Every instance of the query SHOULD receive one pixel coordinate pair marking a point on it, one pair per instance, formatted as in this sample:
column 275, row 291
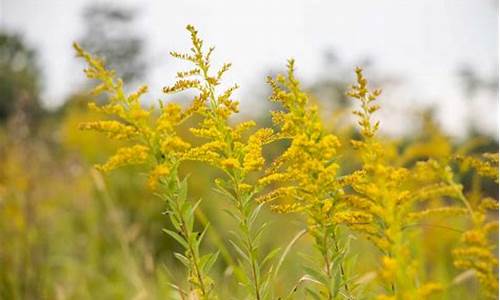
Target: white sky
column 424, row 42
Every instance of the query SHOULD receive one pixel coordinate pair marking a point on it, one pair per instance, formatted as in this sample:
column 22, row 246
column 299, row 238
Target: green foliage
column 19, row 79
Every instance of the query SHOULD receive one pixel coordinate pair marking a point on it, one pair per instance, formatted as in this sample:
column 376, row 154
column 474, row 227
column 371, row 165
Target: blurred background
column 66, row 232
column 440, row 54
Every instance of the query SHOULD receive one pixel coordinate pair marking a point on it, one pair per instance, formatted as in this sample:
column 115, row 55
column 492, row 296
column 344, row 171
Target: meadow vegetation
column 189, row 201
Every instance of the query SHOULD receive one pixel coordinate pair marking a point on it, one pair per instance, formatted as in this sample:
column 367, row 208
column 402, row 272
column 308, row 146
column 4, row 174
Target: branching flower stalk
column 156, row 145
column 305, row 180
column 380, row 192
column 476, row 250
column 227, row 150
column 385, row 197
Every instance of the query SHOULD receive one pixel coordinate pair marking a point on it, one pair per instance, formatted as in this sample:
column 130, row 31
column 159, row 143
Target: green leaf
column 175, row 221
column 254, row 214
column 287, row 250
column 313, row 294
column 183, row 188
column 184, row 260
column 200, row 237
column 177, row 237
column 260, row 231
column 270, row 256
column 232, row 215
column 208, row 263
column 240, row 252
column 317, row 275
column 335, row 284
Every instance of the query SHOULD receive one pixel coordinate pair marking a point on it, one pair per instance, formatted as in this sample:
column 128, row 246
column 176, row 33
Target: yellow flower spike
column 134, row 97
column 230, row 163
column 244, row 187
column 241, row 128
column 487, row 204
column 487, row 167
column 389, row 269
column 272, row 178
column 287, row 208
column 173, row 144
column 181, row 85
column 110, row 109
column 475, row 251
column 366, row 97
column 253, row 159
column 134, row 155
column 206, row 153
column 156, row 174
column 428, row 289
column 138, row 114
column 113, row 129
column 352, row 218
column 305, row 175
column 447, row 211
column 193, row 72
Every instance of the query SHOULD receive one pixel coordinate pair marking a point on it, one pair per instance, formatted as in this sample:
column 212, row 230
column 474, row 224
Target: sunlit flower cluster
column 383, row 196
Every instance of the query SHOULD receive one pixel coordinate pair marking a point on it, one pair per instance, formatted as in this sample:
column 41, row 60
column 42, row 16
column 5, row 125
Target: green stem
column 342, row 271
column 326, row 259
column 187, row 236
column 250, row 243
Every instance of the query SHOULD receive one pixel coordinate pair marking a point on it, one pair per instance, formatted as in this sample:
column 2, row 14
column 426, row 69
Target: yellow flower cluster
column 389, row 194
column 487, row 167
column 156, row 140
column 304, row 177
column 253, row 159
column 423, row 292
column 113, row 129
column 226, row 147
column 305, row 174
column 476, row 249
column 360, row 91
column 159, row 172
column 134, row 155
column 388, row 269
column 439, row 211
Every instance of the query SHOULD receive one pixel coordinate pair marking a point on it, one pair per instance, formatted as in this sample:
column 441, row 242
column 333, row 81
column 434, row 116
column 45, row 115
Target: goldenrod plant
column 305, row 180
column 154, row 143
column 373, row 218
column 384, row 198
column 477, row 247
column 237, row 157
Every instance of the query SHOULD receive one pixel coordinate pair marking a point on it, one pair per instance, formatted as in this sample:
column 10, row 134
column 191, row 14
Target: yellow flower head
column 159, row 172
column 134, row 155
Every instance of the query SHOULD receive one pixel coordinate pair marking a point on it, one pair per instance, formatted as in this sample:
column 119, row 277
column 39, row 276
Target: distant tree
column 473, row 85
column 19, row 79
column 110, row 34
column 473, row 82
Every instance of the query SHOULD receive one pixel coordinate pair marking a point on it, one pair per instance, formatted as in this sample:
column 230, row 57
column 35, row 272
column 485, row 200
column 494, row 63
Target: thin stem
column 187, row 236
column 216, row 238
column 342, row 271
column 250, row 244
column 326, row 258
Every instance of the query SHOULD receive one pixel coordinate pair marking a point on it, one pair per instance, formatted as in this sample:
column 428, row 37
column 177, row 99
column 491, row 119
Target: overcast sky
column 422, row 42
